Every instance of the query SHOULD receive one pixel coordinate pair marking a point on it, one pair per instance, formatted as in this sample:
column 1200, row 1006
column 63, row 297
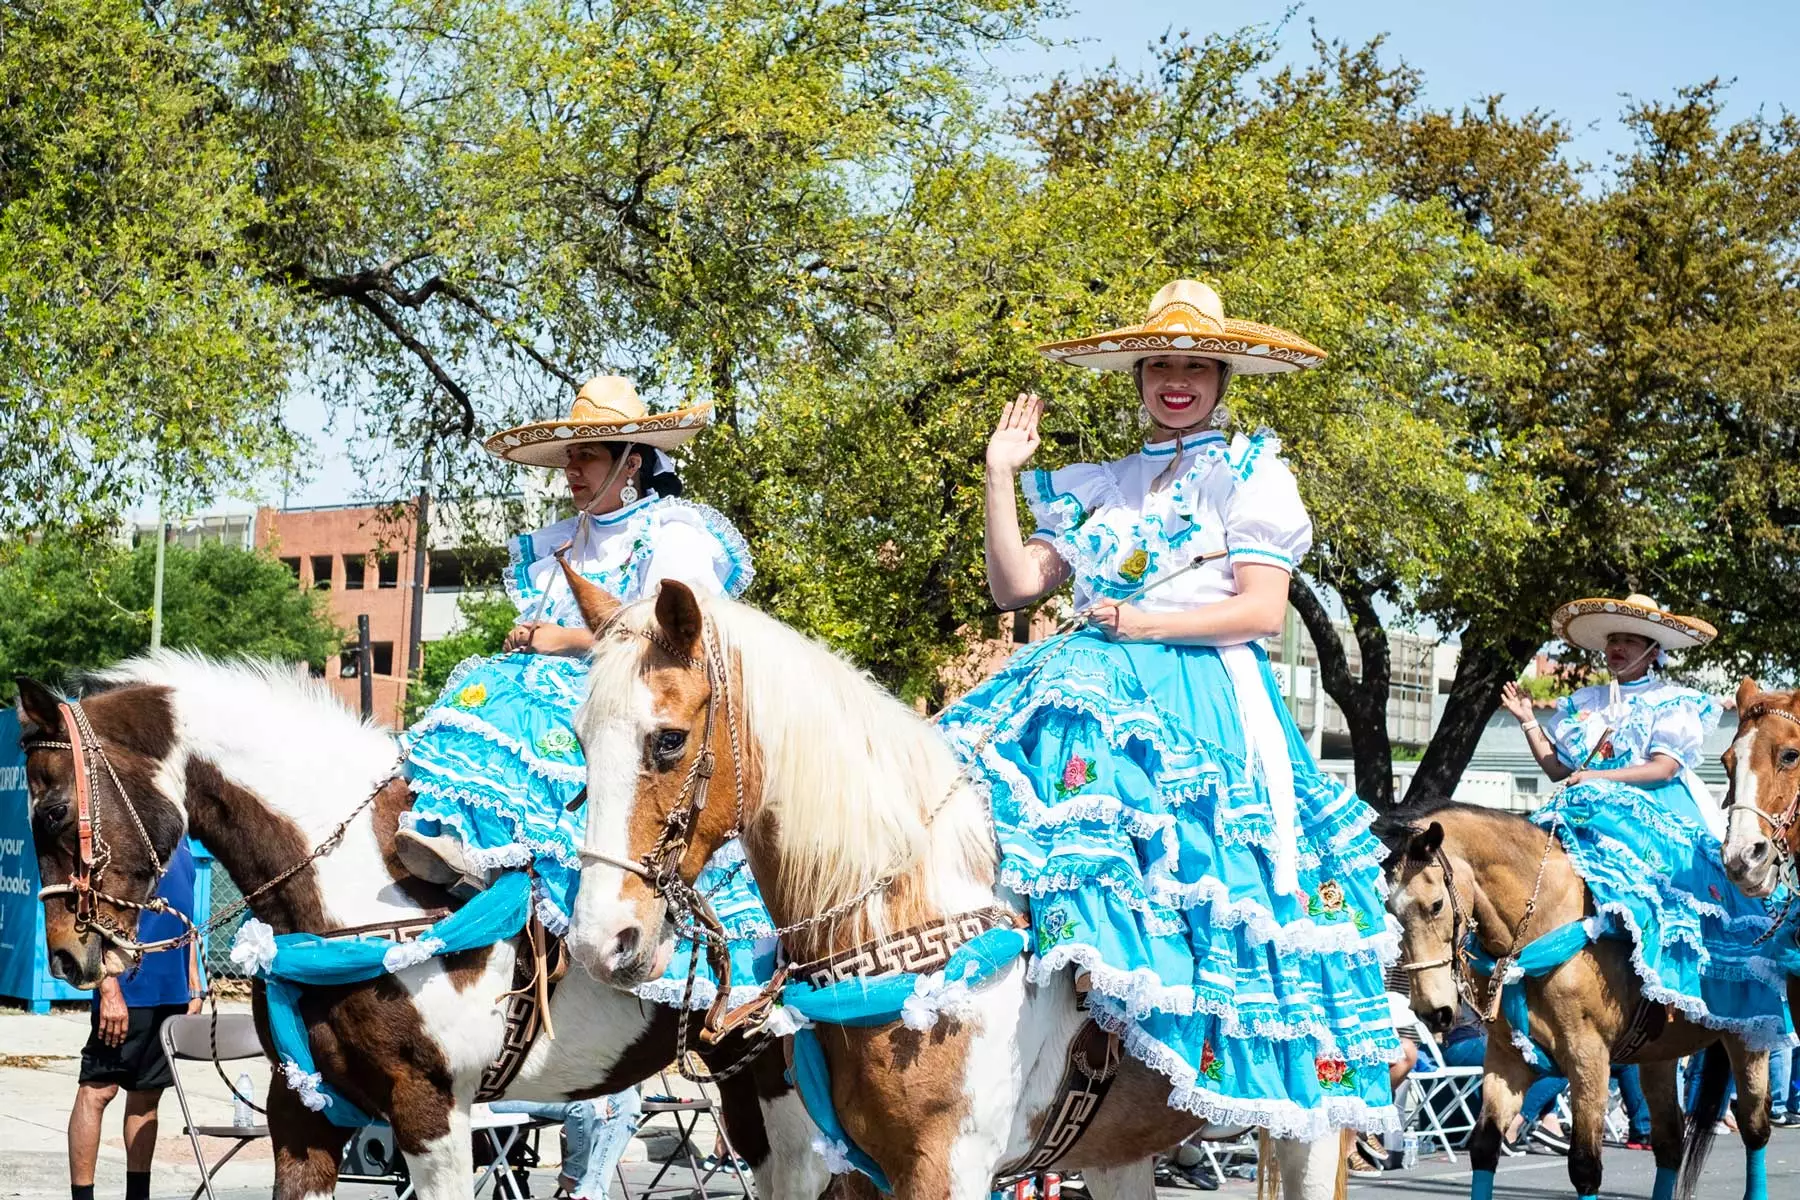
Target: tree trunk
column 1485, row 665
column 1363, row 700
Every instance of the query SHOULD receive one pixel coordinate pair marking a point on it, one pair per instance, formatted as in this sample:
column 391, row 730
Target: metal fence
column 218, row 962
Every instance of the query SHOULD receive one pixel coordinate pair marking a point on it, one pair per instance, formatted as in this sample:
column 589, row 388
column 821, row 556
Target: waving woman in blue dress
column 494, row 765
column 1219, row 898
column 1640, row 825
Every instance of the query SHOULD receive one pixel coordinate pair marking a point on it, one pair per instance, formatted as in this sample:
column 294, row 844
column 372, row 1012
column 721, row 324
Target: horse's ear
column 597, row 604
column 38, row 705
column 1748, row 691
column 678, row 612
column 1424, row 845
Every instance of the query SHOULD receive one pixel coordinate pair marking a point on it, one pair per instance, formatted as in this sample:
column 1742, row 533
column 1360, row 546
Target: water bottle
column 241, row 1115
column 1409, row 1158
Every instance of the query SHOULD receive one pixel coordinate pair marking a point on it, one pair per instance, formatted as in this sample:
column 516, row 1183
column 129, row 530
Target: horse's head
column 102, row 833
column 665, row 783
column 1762, row 789
column 1423, row 895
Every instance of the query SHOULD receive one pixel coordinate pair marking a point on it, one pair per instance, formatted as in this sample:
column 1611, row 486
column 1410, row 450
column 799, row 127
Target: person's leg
column 1466, row 1052
column 1781, row 1063
column 140, row 1141
column 1542, row 1096
column 613, row 1120
column 1637, row 1109
column 91, row 1100
column 1401, row 1067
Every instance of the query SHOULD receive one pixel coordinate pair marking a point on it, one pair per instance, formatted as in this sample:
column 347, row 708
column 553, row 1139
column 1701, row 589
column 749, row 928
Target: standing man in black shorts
column 125, row 1051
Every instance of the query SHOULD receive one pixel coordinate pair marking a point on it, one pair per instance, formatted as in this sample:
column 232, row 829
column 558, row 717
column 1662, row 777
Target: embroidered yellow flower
column 473, row 696
column 1134, row 566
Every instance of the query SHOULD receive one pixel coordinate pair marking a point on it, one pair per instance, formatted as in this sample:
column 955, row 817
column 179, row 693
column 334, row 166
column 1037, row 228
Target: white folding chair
column 1439, row 1099
column 192, row 1039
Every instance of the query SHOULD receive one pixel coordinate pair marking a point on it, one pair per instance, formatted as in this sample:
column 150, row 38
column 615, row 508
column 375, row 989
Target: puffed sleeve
column 1265, row 521
column 1682, row 725
column 1061, row 500
column 525, row 579
column 696, row 545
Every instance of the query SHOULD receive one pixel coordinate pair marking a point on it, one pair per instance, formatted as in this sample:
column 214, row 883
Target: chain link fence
column 217, row 959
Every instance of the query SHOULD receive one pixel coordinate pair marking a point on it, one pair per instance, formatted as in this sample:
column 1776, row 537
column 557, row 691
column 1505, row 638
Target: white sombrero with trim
column 606, row 409
column 1187, row 317
column 1586, row 623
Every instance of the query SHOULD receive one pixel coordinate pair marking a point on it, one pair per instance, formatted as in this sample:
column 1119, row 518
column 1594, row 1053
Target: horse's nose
column 64, row 966
column 1749, row 858
column 1440, row 1020
column 622, row 955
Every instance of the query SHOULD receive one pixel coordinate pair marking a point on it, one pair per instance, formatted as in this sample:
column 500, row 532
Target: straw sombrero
column 1586, row 623
column 1189, row 318
column 606, row 409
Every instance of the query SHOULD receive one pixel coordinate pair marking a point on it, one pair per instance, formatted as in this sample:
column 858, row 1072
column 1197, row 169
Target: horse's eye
column 52, row 815
column 1788, row 757
column 668, row 745
column 1437, row 906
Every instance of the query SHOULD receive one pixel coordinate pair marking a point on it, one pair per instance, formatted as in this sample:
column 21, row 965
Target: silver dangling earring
column 628, row 494
column 1143, row 417
column 1221, row 416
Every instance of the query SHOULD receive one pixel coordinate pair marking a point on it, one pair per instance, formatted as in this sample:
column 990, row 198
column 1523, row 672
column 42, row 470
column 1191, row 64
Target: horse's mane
column 849, row 772
column 286, row 735
column 1396, row 826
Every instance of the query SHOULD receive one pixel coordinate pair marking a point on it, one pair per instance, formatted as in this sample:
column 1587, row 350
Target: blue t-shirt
column 162, row 976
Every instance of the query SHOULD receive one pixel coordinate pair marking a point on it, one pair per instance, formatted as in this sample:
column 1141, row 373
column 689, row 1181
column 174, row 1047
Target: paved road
column 37, row 1082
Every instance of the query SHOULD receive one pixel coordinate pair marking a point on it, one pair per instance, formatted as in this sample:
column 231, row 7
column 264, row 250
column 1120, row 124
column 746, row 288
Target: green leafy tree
column 67, row 607
column 486, row 618
column 141, row 343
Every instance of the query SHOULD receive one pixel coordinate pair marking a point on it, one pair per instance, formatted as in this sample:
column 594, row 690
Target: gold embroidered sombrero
column 606, row 409
column 1586, row 623
column 1189, row 318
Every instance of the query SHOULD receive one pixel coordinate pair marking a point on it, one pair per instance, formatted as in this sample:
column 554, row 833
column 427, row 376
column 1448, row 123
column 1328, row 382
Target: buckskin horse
column 1461, row 884
column 263, row 769
column 705, row 717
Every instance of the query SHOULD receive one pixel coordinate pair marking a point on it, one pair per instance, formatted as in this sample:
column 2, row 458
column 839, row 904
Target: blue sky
column 1576, row 59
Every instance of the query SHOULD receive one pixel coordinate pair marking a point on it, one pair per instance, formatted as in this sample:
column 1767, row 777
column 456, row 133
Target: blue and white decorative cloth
column 1160, row 813
column 1650, row 856
column 495, row 761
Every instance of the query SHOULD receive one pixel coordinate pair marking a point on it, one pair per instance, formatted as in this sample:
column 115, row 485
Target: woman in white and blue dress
column 1219, row 898
column 494, row 765
column 1641, row 827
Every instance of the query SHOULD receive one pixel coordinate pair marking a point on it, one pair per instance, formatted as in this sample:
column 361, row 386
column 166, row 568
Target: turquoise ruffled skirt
column 495, row 763
column 1650, row 863
column 1141, row 839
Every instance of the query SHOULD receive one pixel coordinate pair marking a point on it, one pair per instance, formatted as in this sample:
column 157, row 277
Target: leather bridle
column 1463, row 930
column 1783, row 824
column 92, row 767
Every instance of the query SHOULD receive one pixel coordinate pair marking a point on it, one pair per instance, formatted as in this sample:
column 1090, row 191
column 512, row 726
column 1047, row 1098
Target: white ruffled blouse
column 1116, row 534
column 1628, row 723
column 627, row 552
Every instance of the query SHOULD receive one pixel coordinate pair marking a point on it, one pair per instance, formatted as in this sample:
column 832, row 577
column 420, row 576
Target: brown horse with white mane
column 264, row 769
column 1459, row 873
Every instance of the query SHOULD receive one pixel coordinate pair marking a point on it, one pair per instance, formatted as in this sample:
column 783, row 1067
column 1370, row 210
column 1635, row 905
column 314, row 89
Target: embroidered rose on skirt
column 1078, row 772
column 1134, row 566
column 1335, row 1075
column 557, row 741
column 1210, row 1067
column 473, row 696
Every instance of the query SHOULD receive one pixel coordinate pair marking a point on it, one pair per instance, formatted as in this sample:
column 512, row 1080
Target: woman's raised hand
column 1015, row 438
column 1514, row 700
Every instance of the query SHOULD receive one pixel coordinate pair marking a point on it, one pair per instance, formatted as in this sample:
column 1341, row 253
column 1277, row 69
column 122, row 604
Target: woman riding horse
column 1641, row 827
column 494, row 765
column 1153, row 799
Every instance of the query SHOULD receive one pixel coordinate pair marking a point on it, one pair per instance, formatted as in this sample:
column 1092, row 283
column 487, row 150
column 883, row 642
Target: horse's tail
column 1703, row 1117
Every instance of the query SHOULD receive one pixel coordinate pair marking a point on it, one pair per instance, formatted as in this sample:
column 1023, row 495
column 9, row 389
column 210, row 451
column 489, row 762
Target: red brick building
column 364, row 558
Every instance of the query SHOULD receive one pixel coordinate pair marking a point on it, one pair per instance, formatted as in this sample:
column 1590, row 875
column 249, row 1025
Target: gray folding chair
column 192, row 1039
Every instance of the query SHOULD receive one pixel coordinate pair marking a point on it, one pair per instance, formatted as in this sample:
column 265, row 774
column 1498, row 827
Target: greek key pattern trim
column 916, row 951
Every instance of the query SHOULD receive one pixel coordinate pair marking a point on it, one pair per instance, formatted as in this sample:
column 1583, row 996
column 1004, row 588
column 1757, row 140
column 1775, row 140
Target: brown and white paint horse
column 261, row 767
column 1762, row 799
column 838, row 786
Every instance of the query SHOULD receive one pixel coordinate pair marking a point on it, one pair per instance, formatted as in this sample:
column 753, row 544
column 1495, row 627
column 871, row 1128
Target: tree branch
column 420, row 351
